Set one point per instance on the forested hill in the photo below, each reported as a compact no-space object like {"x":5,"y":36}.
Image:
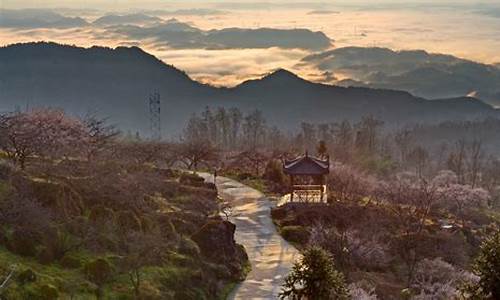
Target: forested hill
{"x":117,"y":82}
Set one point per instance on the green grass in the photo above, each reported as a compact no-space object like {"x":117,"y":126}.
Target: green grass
{"x":63,"y":279}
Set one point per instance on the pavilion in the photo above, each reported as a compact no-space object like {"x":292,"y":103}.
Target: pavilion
{"x":307,"y":178}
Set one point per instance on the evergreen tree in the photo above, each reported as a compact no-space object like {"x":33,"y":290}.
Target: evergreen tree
{"x":314,"y":277}
{"x":487,"y":267}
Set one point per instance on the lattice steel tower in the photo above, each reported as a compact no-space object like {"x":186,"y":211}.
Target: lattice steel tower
{"x":155,"y":116}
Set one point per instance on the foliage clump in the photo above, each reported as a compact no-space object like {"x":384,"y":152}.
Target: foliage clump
{"x":487,"y":267}
{"x":314,"y":277}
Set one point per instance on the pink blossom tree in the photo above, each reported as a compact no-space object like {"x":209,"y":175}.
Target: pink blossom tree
{"x":42,"y":132}
{"x":349,"y":184}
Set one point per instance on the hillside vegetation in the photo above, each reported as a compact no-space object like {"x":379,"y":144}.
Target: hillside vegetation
{"x":84,"y":216}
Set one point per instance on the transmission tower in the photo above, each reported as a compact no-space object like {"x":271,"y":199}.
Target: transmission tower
{"x":155,"y":116}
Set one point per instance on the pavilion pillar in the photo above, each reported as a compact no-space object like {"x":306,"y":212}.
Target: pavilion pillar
{"x":322,"y":183}
{"x":292,"y":181}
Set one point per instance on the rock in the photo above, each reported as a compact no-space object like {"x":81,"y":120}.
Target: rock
{"x":216,"y":242}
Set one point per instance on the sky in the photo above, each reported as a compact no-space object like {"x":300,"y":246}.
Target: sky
{"x":466,"y":29}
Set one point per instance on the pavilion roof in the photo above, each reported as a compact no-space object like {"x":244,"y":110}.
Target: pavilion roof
{"x":307,"y":165}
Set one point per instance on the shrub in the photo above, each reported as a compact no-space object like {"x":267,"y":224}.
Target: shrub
{"x":147,"y":223}
{"x":314,"y":277}
{"x":98,"y":271}
{"x":57,"y":242}
{"x":295,"y":234}
{"x":437,"y":279}
{"x":5,"y":171}
{"x":245,"y":176}
{"x":191,"y":179}
{"x":3,"y":237}
{"x":100,"y":213}
{"x":362,"y":291}
{"x":23,"y":242}
{"x":70,"y":261}
{"x":189,"y":247}
{"x":487,"y":266}
{"x":167,"y":229}
{"x":127,"y":220}
{"x":45,"y":255}
{"x":26,"y":276}
{"x":48,"y":292}
{"x":274,"y":172}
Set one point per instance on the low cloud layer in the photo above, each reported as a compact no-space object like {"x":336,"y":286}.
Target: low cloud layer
{"x":323,"y":12}
{"x":36,"y":18}
{"x":180,"y":35}
{"x":137,"y":18}
{"x":422,"y":73}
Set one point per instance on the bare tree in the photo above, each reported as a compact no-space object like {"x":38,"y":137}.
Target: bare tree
{"x":100,"y":135}
{"x":475,"y":162}
{"x":254,"y":129}
{"x":194,"y":153}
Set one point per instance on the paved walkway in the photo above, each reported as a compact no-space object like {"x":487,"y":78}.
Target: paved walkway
{"x":270,"y":255}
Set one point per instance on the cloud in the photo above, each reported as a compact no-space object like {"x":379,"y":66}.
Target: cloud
{"x":323,"y":12}
{"x":138,"y":18}
{"x":181,"y":35}
{"x":229,"y":67}
{"x":419,"y":72}
{"x":195,"y":12}
{"x":37,"y":18}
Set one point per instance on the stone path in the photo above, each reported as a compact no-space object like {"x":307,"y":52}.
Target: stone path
{"x":270,"y":255}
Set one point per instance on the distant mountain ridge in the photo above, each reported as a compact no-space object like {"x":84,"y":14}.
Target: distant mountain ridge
{"x":424,"y":74}
{"x":117,"y":82}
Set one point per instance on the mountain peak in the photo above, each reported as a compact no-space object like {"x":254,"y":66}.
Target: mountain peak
{"x":277,"y":77}
{"x":280,"y":72}
{"x":281,"y":75}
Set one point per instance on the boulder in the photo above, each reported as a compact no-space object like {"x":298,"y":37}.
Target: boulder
{"x":216,"y":242}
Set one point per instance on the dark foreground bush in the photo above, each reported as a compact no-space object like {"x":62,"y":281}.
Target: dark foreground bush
{"x":98,"y":271}
{"x":295,"y":234}
{"x":191,"y":179}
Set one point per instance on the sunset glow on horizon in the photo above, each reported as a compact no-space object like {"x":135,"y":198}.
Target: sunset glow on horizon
{"x":447,"y":29}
